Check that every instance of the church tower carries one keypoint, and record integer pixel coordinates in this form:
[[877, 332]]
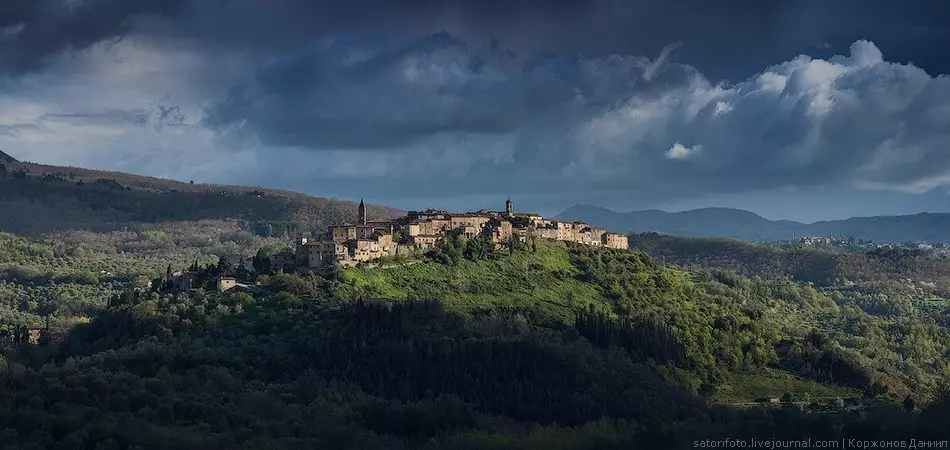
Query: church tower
[[509, 207], [362, 210]]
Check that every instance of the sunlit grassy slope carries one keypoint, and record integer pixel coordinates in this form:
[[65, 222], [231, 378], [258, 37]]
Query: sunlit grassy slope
[[544, 279]]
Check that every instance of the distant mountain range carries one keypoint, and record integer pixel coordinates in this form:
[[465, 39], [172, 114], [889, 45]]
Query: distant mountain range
[[745, 225], [37, 199]]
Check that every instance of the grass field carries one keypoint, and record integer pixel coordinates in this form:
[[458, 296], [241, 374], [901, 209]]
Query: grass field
[[543, 279], [773, 383]]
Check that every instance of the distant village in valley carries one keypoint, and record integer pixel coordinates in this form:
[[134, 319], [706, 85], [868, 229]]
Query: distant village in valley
[[938, 249], [348, 244]]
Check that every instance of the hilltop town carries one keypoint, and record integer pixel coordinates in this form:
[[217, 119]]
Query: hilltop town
[[348, 244]]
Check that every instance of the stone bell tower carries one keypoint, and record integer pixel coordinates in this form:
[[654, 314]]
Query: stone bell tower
[[362, 211], [509, 207]]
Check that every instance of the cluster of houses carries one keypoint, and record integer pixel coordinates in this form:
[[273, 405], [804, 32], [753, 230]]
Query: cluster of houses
[[17, 334], [348, 244], [814, 241], [938, 249]]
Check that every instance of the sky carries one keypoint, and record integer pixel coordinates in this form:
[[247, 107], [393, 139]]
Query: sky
[[805, 110]]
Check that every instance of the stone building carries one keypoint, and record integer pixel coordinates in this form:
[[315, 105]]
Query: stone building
[[425, 241], [476, 221], [428, 214], [500, 230], [32, 335], [347, 232], [591, 236], [547, 232], [616, 240], [348, 244], [284, 260], [184, 280], [226, 284], [374, 247], [17, 334], [428, 227]]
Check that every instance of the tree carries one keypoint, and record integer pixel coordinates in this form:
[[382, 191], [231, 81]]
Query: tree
[[479, 248], [287, 300], [909, 403], [788, 398], [261, 261], [141, 283], [707, 390], [514, 243], [224, 266], [242, 298], [876, 389], [241, 272]]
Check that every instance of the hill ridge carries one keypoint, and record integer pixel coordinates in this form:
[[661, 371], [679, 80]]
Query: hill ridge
[[749, 226], [137, 179], [5, 158], [46, 198]]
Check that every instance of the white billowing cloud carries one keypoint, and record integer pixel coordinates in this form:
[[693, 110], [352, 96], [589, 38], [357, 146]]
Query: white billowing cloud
[[857, 120], [679, 151], [722, 108], [863, 54]]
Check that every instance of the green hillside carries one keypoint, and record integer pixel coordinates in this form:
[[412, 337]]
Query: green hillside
[[548, 346], [71, 278], [729, 323]]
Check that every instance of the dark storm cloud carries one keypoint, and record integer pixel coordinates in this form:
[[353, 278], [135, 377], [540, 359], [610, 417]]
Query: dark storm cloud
[[600, 124], [38, 29], [336, 95], [723, 39], [453, 97]]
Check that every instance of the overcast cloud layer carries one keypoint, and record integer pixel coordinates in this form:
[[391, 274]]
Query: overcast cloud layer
[[470, 101]]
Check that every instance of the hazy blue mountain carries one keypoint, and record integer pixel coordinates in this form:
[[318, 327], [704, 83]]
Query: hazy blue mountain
[[741, 224]]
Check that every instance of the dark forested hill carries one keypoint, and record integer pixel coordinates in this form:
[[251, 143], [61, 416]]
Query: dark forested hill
[[546, 345], [38, 199], [740, 224]]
